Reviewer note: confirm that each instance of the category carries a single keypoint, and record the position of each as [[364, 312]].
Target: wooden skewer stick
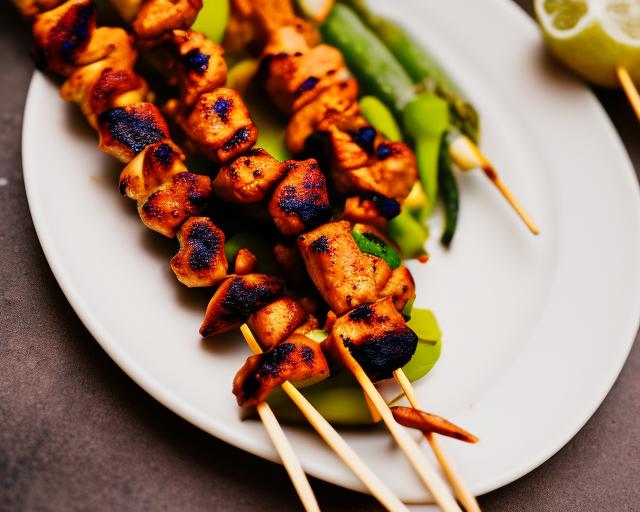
[[427, 474], [288, 457], [468, 156], [465, 496], [286, 453], [375, 486], [629, 88]]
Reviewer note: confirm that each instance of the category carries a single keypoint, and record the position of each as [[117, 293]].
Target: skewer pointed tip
[[629, 88]]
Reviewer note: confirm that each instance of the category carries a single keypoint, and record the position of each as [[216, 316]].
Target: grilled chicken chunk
[[277, 321], [376, 336], [66, 37], [362, 209], [400, 287], [249, 178], [201, 65], [173, 202], [343, 274], [62, 34], [126, 131], [157, 17], [252, 21], [149, 169], [298, 359], [236, 298], [331, 101], [99, 86], [391, 172], [220, 125], [300, 200], [201, 260], [295, 73], [362, 160], [31, 8], [427, 423], [245, 262]]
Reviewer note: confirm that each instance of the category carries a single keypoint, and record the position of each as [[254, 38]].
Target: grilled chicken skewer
[[364, 136], [290, 61], [98, 64]]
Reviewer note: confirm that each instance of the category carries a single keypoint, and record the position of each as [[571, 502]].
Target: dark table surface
[[77, 434]]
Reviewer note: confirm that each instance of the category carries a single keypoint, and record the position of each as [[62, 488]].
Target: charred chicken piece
[[201, 260], [252, 21], [428, 423], [376, 336], [31, 8], [298, 359], [362, 209], [342, 273], [391, 172], [173, 202], [300, 200], [220, 125], [155, 165], [157, 17], [62, 34], [249, 178], [277, 321], [201, 65], [126, 131], [236, 298], [99, 86], [400, 287], [297, 74], [361, 160], [333, 100]]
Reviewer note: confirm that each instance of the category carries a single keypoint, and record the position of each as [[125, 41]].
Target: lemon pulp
[[593, 37]]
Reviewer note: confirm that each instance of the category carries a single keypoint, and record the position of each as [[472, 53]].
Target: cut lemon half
[[593, 37]]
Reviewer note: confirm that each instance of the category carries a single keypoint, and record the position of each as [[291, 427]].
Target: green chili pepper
[[426, 118], [380, 117], [378, 72], [212, 19], [371, 244], [408, 234], [422, 67], [448, 192]]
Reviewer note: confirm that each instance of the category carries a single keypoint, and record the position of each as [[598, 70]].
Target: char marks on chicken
[[298, 359], [236, 298], [376, 336]]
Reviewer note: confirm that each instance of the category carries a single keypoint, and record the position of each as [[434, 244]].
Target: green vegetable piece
[[317, 335], [371, 244], [212, 19], [424, 359], [244, 240], [426, 119], [423, 322], [449, 193], [339, 399], [426, 115], [378, 72], [408, 309], [422, 67], [380, 117], [408, 234]]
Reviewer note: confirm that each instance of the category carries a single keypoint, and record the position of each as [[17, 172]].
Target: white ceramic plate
[[536, 329]]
